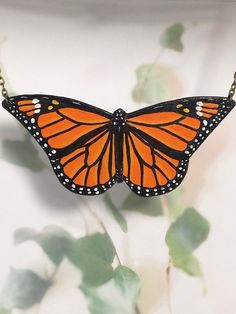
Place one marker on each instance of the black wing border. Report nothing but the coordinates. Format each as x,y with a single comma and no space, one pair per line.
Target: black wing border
33,129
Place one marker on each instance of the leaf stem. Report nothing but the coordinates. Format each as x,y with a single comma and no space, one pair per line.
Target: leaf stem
166,207
101,223
144,82
137,310
167,214
168,288
86,225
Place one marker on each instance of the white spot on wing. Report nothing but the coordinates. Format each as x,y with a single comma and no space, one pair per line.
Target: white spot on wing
35,101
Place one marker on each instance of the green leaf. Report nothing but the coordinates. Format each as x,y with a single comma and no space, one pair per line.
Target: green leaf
148,206
116,213
151,87
21,153
93,255
55,241
175,201
117,296
22,290
187,233
4,311
128,283
171,38
189,264
184,237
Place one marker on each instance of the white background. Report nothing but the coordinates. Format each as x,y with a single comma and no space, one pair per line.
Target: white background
90,51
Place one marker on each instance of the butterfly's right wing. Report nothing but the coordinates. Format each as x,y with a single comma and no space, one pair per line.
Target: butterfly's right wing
160,139
77,138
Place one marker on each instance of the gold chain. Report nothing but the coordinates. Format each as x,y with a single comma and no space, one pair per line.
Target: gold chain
2,85
232,88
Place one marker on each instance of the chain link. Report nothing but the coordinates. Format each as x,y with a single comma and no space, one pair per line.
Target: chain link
232,88
4,91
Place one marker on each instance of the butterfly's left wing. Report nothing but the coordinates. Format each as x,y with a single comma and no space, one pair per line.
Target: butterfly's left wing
159,140
77,138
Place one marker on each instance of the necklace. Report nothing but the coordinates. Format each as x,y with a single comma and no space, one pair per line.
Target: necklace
91,149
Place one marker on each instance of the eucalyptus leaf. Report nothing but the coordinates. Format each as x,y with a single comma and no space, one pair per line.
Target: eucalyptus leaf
187,233
22,290
183,237
128,282
189,264
54,240
171,38
93,255
116,213
175,201
117,296
151,86
148,206
21,153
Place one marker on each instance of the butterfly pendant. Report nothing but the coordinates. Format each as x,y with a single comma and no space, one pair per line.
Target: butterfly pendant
91,149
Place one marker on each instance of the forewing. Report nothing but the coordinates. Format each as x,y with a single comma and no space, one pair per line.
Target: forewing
160,139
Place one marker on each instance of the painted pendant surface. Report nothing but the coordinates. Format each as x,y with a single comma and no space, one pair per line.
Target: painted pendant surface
91,149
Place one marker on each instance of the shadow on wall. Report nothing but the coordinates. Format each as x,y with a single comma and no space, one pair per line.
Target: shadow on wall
208,154
25,153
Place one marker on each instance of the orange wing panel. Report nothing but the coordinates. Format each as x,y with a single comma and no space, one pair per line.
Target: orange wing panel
153,118
83,116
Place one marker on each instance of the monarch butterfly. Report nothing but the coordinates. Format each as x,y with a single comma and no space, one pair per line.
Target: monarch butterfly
90,149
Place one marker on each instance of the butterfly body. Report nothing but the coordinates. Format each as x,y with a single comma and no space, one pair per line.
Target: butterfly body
119,124
90,149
